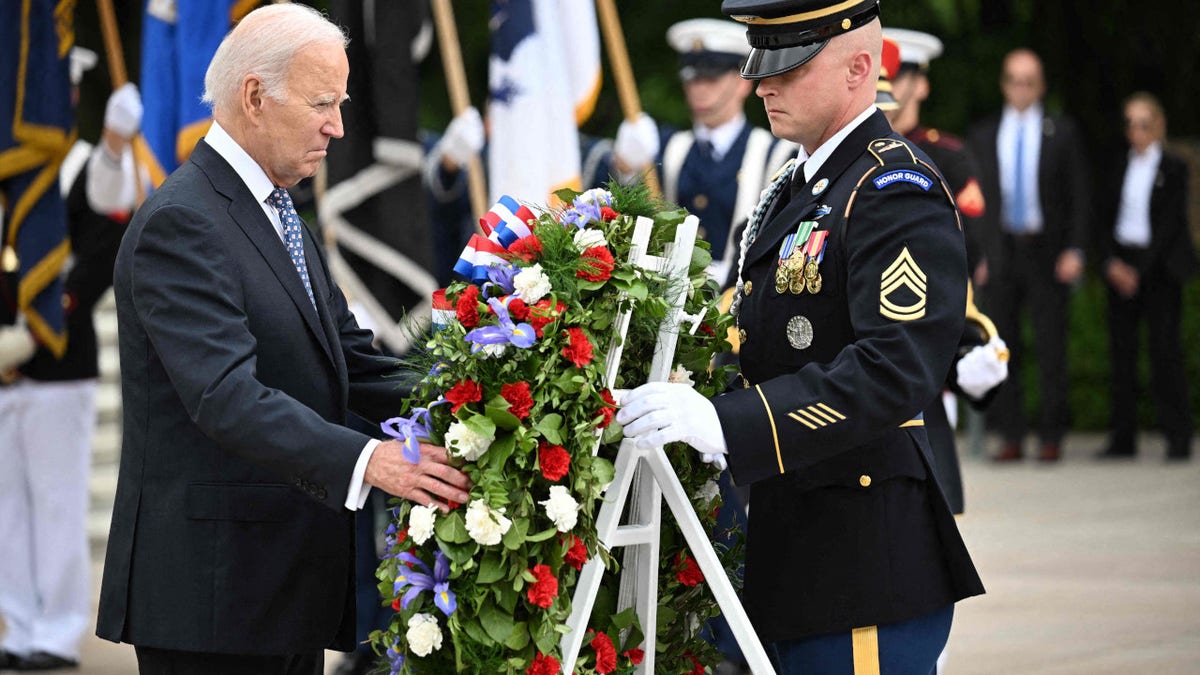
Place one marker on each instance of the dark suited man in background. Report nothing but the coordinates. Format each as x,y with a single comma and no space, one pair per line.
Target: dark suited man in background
1147,256
849,303
231,545
1035,180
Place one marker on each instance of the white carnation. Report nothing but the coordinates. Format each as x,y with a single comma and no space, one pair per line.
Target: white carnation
463,441
561,508
681,375
494,351
589,237
531,284
424,635
485,524
707,492
420,523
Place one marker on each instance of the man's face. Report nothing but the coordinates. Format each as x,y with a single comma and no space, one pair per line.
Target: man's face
1142,125
298,129
713,101
1021,81
803,103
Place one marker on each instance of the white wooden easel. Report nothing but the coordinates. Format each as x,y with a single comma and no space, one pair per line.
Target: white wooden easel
648,475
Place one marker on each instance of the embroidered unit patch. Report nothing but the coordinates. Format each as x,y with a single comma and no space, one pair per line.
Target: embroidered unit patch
902,176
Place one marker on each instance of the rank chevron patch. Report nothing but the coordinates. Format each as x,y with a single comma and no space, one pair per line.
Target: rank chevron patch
902,273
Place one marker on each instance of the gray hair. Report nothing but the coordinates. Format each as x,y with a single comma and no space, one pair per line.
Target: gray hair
263,44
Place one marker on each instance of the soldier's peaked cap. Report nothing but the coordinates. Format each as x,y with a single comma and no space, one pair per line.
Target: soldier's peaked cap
708,47
786,34
917,49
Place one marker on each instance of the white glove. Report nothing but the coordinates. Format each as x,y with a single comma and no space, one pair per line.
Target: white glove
463,138
658,413
123,114
637,142
16,346
982,368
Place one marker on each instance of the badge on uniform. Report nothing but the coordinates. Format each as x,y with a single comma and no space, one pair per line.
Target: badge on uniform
791,257
903,274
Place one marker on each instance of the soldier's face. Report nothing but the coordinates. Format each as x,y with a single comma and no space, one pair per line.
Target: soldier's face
297,130
804,103
713,101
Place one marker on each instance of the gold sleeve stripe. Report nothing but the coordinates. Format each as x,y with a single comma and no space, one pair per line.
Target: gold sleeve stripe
774,431
811,417
803,421
831,411
817,411
865,645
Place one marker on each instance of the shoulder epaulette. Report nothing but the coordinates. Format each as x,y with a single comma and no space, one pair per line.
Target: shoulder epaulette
891,150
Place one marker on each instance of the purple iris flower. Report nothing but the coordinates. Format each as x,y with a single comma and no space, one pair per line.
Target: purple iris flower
395,658
417,582
518,334
410,430
500,276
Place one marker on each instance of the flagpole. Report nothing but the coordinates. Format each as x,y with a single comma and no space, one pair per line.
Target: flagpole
618,58
116,71
460,99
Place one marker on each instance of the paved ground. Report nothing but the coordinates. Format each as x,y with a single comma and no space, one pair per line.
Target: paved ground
1090,568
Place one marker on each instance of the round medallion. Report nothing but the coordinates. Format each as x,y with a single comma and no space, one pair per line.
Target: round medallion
811,269
749,286
799,332
813,285
820,186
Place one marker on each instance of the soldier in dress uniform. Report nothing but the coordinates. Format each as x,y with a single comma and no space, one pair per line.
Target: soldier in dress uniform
851,289
981,365
718,168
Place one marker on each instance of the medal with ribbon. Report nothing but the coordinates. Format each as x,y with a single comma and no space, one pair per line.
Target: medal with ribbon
788,258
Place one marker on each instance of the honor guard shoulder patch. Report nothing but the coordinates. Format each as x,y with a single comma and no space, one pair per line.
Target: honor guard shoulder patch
902,289
902,176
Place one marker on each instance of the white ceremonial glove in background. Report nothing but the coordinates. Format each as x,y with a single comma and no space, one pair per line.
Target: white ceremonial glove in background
637,142
464,137
16,346
123,113
658,413
983,367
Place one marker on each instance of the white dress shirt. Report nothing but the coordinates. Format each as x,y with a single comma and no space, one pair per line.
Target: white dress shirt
1133,215
1028,123
261,187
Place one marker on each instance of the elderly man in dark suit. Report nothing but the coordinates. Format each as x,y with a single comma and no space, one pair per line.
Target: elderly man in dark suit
1147,256
1032,167
231,542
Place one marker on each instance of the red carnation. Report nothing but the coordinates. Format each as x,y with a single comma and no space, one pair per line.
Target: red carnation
543,313
396,604
554,460
606,654
520,399
517,309
466,308
543,591
687,571
595,264
699,667
440,301
608,215
634,655
401,536
466,391
606,412
526,248
707,330
579,349
577,555
544,664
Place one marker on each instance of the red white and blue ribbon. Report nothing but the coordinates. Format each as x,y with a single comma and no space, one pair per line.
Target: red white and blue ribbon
506,222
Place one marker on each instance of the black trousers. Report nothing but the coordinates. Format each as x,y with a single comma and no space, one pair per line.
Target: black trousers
1159,304
152,661
1026,281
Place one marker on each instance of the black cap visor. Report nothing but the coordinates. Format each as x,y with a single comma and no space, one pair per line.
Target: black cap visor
763,63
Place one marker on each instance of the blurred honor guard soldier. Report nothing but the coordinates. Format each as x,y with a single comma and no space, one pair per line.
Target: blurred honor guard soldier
981,365
850,305
1147,258
1032,167
240,363
719,167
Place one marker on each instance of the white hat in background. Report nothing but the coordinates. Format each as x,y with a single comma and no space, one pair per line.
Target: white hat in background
916,48
708,47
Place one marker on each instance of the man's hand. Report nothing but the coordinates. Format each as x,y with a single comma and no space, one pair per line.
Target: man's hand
430,481
16,347
1069,266
982,368
1122,276
637,143
658,413
463,139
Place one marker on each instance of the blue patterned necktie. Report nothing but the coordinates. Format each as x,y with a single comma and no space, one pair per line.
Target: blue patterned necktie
293,236
1016,214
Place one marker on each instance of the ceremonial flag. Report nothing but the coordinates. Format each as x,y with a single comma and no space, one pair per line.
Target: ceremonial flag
543,79
179,38
37,129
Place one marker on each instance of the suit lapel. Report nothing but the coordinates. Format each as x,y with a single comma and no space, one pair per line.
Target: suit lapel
249,216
